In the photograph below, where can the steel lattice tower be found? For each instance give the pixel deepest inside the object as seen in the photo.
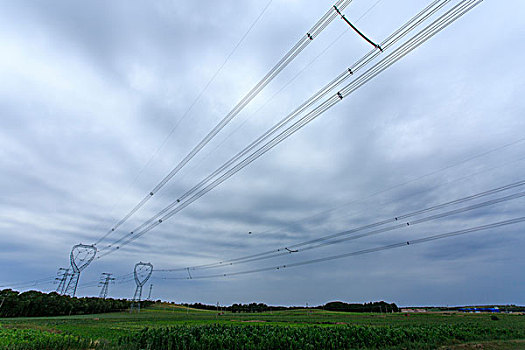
(142, 272)
(105, 280)
(62, 276)
(149, 294)
(81, 256)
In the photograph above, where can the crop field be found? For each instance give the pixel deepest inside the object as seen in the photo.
(176, 327)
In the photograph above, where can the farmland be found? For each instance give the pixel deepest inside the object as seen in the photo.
(168, 326)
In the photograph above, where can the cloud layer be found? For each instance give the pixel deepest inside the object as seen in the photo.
(90, 92)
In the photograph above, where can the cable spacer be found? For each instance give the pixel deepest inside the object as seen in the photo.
(350, 71)
(309, 36)
(151, 193)
(339, 95)
(160, 221)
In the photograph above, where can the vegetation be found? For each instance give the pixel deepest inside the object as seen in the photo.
(332, 306)
(304, 328)
(33, 303)
(277, 337)
(32, 339)
(366, 307)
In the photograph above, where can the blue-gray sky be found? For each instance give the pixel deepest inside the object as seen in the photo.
(89, 91)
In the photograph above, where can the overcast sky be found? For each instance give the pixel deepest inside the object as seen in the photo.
(90, 90)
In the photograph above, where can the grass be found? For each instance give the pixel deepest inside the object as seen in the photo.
(105, 330)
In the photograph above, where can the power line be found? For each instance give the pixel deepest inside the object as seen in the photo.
(290, 81)
(398, 220)
(402, 184)
(392, 39)
(288, 57)
(363, 251)
(190, 108)
(41, 281)
(439, 24)
(331, 239)
(388, 42)
(367, 39)
(285, 250)
(126, 278)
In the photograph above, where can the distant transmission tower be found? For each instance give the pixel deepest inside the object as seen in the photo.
(81, 256)
(62, 276)
(142, 274)
(149, 294)
(105, 280)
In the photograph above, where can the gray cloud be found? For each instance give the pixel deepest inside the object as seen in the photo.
(90, 91)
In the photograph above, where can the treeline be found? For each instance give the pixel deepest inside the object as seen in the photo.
(380, 306)
(253, 307)
(34, 303)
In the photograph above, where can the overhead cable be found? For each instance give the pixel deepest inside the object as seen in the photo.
(188, 110)
(331, 239)
(288, 57)
(425, 34)
(363, 251)
(389, 41)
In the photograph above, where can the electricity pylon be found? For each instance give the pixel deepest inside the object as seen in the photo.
(81, 256)
(142, 273)
(149, 294)
(62, 276)
(105, 280)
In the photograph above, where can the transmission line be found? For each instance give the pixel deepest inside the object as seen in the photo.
(389, 41)
(190, 108)
(41, 281)
(397, 35)
(331, 239)
(363, 251)
(295, 247)
(128, 277)
(388, 189)
(291, 80)
(288, 57)
(436, 26)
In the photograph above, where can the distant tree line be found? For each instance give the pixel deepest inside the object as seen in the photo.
(252, 307)
(34, 303)
(380, 306)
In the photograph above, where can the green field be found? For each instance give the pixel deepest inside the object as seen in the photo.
(173, 327)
